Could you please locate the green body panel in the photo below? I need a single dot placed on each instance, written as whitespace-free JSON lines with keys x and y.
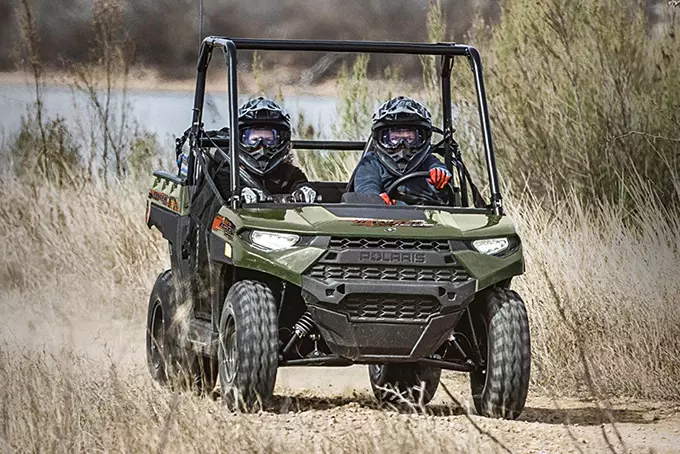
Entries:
{"x":169,"y":195}
{"x":317,"y":221}
{"x":488,"y":269}
{"x":287,"y":265}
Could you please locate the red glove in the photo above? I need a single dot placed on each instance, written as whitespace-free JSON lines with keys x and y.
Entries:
{"x":387,"y":199}
{"x":439,"y":178}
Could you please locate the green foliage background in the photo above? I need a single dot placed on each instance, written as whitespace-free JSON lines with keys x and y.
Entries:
{"x":585,"y":97}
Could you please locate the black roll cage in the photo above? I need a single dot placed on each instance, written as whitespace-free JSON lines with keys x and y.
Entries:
{"x":447,"y":51}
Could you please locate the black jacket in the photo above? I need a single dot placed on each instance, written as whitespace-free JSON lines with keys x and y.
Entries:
{"x":284,"y":179}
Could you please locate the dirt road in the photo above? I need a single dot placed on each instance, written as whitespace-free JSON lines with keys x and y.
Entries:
{"x":334,"y":404}
{"x":546,"y":425}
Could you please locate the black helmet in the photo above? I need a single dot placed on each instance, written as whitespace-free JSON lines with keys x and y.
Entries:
{"x":402,"y":128}
{"x":264,"y":130}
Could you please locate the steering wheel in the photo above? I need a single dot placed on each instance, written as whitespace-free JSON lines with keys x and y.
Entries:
{"x":444,"y":197}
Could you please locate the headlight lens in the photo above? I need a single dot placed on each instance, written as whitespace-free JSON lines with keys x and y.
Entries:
{"x":273,"y":241}
{"x":491,"y":246}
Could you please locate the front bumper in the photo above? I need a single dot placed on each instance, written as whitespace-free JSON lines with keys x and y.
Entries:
{"x":394,"y":338}
{"x":375,"y":307}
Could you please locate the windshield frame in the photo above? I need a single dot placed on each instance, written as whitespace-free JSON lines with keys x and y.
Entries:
{"x":447,"y":51}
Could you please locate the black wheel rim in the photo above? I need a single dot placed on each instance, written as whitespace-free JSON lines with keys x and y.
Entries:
{"x":229,"y":350}
{"x":157,"y":336}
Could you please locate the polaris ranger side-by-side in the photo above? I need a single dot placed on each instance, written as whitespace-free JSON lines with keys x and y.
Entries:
{"x":408,"y":290}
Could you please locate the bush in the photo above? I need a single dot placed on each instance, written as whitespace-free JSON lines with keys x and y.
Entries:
{"x":53,"y":157}
{"x":144,"y":156}
{"x":583,"y":96}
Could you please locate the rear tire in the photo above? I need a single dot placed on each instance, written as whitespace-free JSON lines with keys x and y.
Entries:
{"x":499,"y":389}
{"x":169,"y":363}
{"x":248,"y":346}
{"x":395,"y":383}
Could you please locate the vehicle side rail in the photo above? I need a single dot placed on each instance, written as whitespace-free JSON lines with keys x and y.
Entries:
{"x":170,"y":176}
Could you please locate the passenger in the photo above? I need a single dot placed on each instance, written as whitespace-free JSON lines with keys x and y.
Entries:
{"x":401,"y":133}
{"x":264,"y":148}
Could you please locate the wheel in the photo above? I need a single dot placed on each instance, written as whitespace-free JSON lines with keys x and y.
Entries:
{"x":169,"y":363}
{"x":395,"y":383}
{"x":500,"y":385}
{"x":248,"y":346}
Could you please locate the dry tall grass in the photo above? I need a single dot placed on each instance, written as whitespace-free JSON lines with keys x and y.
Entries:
{"x":67,"y":404}
{"x":615,"y":274}
{"x":75,"y":240}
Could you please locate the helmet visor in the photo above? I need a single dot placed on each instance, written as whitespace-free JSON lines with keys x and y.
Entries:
{"x":410,"y":137}
{"x":254,"y":137}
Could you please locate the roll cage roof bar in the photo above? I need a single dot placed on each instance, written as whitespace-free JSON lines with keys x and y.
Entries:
{"x":230,"y":47}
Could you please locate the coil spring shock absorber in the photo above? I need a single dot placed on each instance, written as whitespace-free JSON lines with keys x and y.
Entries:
{"x":304,"y":325}
{"x":301,"y":328}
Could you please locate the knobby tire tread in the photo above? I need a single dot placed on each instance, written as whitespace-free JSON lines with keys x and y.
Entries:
{"x":255,"y":315}
{"x":509,"y":361}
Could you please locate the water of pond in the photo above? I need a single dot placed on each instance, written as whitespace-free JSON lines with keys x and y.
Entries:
{"x":164,"y":113}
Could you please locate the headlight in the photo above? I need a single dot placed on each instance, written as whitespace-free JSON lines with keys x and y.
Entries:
{"x":273,"y":241}
{"x":491,"y":246}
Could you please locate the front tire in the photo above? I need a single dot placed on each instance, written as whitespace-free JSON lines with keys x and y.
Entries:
{"x":248,"y":346}
{"x":396,"y":383}
{"x":500,"y":386}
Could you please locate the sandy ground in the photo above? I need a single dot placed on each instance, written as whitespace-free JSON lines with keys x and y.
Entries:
{"x":334,"y":402}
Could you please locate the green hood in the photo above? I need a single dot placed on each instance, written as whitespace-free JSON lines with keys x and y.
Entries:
{"x":406,"y":222}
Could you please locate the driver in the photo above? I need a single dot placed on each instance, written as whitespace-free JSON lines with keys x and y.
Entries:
{"x":401,"y":132}
{"x":264,"y":148}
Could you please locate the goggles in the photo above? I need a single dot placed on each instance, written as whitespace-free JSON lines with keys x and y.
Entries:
{"x":409,"y":136}
{"x":256,"y":137}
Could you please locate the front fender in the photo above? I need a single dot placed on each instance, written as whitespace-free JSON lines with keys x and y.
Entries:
{"x":288,"y":265}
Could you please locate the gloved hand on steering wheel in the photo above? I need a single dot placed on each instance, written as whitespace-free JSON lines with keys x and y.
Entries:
{"x":304,"y":194}
{"x":387,"y":199}
{"x":439,"y":177}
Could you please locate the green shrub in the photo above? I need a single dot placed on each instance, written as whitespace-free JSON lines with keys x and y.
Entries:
{"x":54,"y":157}
{"x":355,"y":106}
{"x":583,"y":96}
{"x":145,"y":155}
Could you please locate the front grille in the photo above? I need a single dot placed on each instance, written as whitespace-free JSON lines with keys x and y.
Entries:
{"x":388,"y":273}
{"x":365,"y":307}
{"x":381,"y":243}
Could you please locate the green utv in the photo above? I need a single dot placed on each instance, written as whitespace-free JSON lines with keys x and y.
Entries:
{"x":407,"y":290}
